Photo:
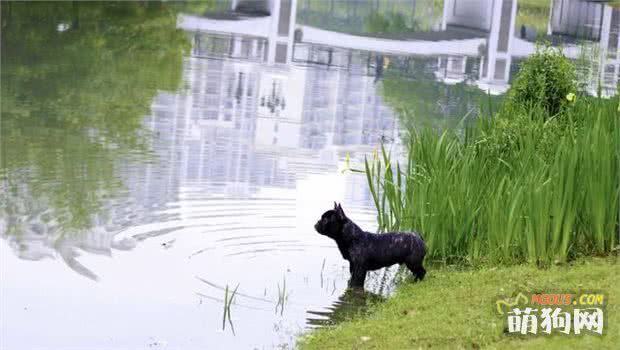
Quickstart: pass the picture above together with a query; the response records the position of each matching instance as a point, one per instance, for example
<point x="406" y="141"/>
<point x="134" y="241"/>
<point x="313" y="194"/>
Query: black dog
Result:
<point x="366" y="251"/>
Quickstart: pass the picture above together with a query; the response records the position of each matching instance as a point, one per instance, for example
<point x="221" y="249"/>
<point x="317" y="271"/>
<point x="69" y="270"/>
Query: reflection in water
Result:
<point x="218" y="182"/>
<point x="221" y="173"/>
<point x="71" y="110"/>
<point x="350" y="305"/>
<point x="476" y="42"/>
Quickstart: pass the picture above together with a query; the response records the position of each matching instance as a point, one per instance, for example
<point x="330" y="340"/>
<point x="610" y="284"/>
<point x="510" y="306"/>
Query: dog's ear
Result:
<point x="335" y="206"/>
<point x="340" y="212"/>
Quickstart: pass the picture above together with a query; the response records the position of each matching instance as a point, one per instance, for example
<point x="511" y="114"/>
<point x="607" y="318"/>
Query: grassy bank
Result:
<point x="456" y="309"/>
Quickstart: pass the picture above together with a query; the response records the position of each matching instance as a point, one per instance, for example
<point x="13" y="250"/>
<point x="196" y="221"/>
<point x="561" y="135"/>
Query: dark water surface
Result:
<point x="154" y="154"/>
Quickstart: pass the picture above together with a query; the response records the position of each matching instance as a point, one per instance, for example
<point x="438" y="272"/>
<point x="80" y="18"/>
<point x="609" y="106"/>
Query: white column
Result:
<point x="274" y="37"/>
<point x="254" y="48"/>
<point x="549" y="27"/>
<point x="604" y="43"/>
<point x="511" y="26"/>
<point x="493" y="38"/>
<point x="291" y="31"/>
<point x="273" y="31"/>
<point x="492" y="53"/>
<point x="447" y="5"/>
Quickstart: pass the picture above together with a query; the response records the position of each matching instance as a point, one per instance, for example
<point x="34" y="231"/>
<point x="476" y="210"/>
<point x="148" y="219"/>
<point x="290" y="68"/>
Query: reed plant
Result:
<point x="520" y="185"/>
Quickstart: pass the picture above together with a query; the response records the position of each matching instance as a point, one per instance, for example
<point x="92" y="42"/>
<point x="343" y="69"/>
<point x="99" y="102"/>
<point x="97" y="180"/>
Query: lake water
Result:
<point x="154" y="155"/>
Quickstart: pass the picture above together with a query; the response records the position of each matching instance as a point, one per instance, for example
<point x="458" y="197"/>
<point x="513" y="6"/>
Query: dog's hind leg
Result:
<point x="420" y="273"/>
<point x="358" y="276"/>
<point x="415" y="266"/>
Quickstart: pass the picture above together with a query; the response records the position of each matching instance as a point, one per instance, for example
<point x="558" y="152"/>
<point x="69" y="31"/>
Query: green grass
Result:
<point x="456" y="309"/>
<point x="520" y="187"/>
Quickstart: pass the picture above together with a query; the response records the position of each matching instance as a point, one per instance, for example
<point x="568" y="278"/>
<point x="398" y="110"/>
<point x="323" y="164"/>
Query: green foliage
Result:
<point x="387" y="23"/>
<point x="536" y="190"/>
<point x="377" y="23"/>
<point x="77" y="79"/>
<point x="515" y="128"/>
<point x="544" y="79"/>
<point x="519" y="186"/>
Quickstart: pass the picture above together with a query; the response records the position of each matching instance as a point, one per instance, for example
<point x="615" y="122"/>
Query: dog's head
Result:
<point x="332" y="222"/>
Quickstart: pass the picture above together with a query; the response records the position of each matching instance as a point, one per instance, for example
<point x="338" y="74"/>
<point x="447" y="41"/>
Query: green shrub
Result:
<point x="387" y="23"/>
<point x="545" y="79"/>
<point x="515" y="129"/>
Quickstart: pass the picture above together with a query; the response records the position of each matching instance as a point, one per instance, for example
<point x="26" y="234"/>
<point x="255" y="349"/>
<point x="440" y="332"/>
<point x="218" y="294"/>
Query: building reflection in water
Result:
<point x="236" y="127"/>
<point x="479" y="42"/>
<point x="265" y="105"/>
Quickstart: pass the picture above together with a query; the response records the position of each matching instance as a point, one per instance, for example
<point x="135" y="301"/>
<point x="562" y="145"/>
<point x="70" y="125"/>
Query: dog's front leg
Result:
<point x="358" y="276"/>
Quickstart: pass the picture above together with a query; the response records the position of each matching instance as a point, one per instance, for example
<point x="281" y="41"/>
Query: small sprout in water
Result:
<point x="347" y="163"/>
<point x="228" y="300"/>
<point x="282" y="296"/>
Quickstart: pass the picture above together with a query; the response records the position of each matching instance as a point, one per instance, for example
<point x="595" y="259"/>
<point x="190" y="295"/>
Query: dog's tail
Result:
<point x="421" y="242"/>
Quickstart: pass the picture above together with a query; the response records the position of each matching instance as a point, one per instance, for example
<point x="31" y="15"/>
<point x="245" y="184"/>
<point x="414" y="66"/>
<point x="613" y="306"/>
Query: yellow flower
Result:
<point x="571" y="97"/>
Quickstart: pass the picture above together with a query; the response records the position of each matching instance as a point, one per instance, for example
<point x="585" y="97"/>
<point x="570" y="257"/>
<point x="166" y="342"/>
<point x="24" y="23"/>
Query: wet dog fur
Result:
<point x="367" y="251"/>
